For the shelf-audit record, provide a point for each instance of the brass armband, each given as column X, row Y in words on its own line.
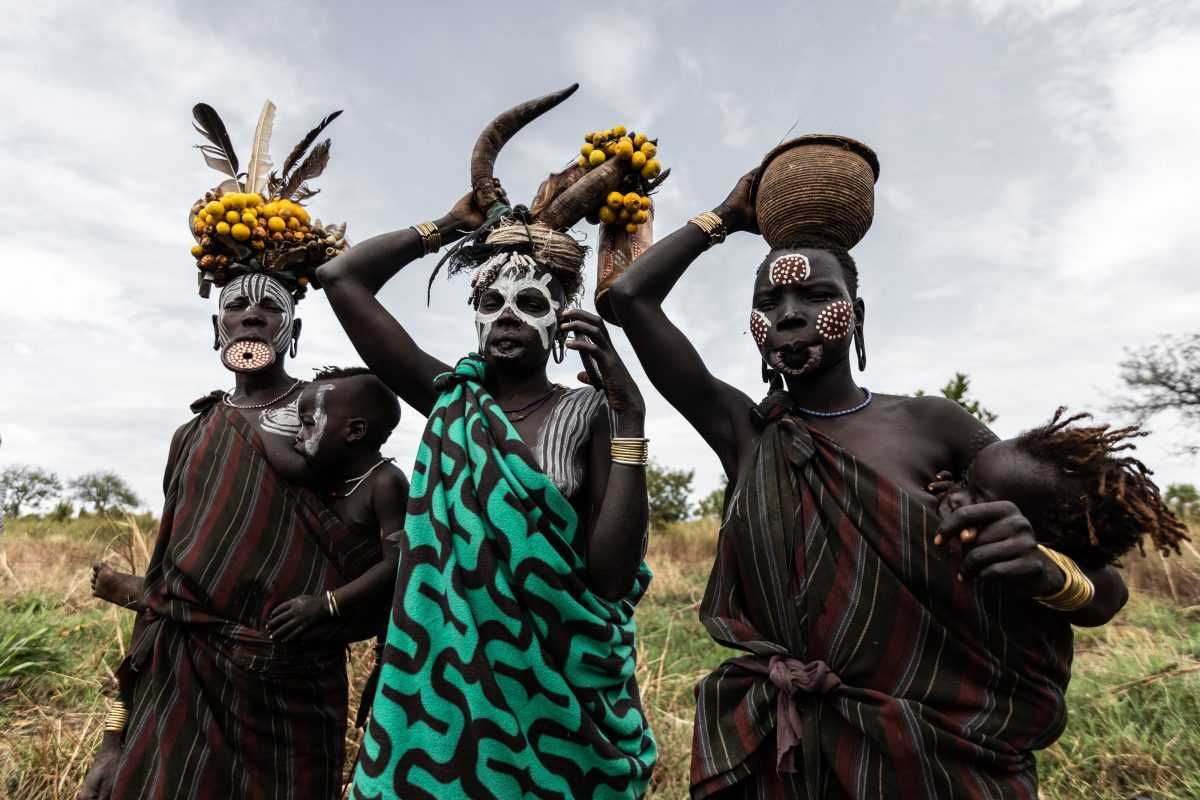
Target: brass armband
column 116, row 718
column 431, row 237
column 1077, row 591
column 630, row 451
column 712, row 225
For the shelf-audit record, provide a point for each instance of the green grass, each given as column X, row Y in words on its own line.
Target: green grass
column 1134, row 699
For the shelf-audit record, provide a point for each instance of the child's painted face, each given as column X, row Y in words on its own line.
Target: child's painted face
column 1001, row 471
column 320, row 438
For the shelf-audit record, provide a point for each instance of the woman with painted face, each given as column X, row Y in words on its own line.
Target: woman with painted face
column 871, row 668
column 509, row 665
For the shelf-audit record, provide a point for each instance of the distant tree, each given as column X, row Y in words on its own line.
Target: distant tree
column 713, row 503
column 62, row 511
column 668, row 490
column 956, row 389
column 1184, row 500
column 22, row 485
column 1164, row 376
column 104, row 491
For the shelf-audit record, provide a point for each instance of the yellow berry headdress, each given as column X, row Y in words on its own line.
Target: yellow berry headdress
column 255, row 221
column 608, row 184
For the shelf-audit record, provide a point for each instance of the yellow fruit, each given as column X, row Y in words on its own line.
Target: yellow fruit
column 639, row 140
column 608, row 216
column 285, row 209
column 640, row 216
column 293, row 223
column 586, row 149
column 298, row 236
column 223, row 228
column 215, row 209
column 596, row 158
column 598, row 137
column 232, row 216
column 623, row 215
column 198, row 225
column 630, row 227
column 644, row 202
column 615, row 200
column 301, row 212
column 249, row 217
column 624, row 148
column 235, row 200
column 276, row 224
column 240, row 232
column 619, row 130
column 197, row 250
column 270, row 210
column 610, row 149
column 253, row 200
column 638, row 159
column 257, row 244
column 651, row 170
column 649, row 149
column 583, row 162
column 608, row 134
column 587, row 137
column 632, row 201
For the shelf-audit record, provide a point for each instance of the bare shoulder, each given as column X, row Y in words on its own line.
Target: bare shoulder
column 964, row 433
column 390, row 481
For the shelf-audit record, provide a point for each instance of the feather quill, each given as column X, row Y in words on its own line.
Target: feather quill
column 310, row 168
column 300, row 149
column 220, row 154
column 260, row 155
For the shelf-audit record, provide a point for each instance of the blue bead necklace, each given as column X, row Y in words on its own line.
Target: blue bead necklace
column 843, row 412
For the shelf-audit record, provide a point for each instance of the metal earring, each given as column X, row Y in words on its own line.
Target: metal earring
column 216, row 334
column 559, row 349
column 772, row 378
column 294, row 347
column 860, row 348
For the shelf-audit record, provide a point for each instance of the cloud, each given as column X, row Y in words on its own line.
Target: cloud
column 736, row 126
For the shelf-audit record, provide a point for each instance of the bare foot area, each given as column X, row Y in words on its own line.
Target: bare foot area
column 119, row 588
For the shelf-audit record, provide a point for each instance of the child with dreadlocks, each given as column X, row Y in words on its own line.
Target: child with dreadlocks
column 1088, row 502
column 346, row 415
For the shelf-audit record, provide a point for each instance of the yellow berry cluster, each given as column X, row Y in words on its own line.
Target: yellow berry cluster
column 631, row 208
column 636, row 148
column 247, row 219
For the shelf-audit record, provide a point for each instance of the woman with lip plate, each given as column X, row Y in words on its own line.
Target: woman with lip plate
column 509, row 664
column 871, row 668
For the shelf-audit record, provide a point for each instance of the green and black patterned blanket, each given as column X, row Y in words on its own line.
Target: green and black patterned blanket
column 504, row 676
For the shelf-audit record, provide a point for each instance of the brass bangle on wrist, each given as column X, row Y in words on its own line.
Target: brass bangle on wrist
column 116, row 718
column 431, row 237
column 1077, row 590
column 632, row 451
column 712, row 225
column 331, row 602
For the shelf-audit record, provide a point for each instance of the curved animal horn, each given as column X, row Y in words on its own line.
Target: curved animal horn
column 584, row 195
column 497, row 134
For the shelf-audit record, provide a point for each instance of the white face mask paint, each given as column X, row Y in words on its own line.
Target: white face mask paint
column 313, row 443
column 517, row 274
column 254, row 288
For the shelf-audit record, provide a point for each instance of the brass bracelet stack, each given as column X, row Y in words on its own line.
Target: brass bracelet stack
column 712, row 225
column 331, row 601
column 431, row 237
column 117, row 717
column 1076, row 592
column 632, row 451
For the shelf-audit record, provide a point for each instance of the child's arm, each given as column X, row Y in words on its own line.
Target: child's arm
column 363, row 603
column 118, row 588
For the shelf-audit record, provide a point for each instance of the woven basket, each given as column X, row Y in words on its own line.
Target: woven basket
column 819, row 186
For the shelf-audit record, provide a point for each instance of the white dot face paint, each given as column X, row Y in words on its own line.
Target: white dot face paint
column 835, row 321
column 312, row 444
column 759, row 326
column 254, row 288
column 792, row 268
column 516, row 274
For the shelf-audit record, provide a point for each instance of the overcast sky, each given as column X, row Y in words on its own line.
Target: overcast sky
column 1036, row 211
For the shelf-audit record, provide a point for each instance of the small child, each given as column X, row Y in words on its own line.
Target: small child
column 1082, row 496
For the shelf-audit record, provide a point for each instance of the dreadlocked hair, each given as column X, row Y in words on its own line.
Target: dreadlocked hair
column 849, row 268
column 511, row 229
column 1119, row 504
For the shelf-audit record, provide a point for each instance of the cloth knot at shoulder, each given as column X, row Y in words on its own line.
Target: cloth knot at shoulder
column 470, row 368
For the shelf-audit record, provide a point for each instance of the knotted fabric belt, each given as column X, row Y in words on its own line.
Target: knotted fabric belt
column 792, row 677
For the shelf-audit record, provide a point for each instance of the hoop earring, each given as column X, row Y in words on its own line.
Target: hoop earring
column 860, row 348
column 558, row 349
column 772, row 378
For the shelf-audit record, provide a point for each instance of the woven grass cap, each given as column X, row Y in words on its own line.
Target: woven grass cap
column 817, row 186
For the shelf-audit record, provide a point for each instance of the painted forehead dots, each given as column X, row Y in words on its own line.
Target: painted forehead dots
column 792, row 268
column 759, row 325
column 834, row 321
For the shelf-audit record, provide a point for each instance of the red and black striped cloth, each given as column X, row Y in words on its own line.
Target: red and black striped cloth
column 873, row 672
column 217, row 709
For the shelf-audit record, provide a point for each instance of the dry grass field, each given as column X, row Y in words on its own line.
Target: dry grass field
column 1134, row 700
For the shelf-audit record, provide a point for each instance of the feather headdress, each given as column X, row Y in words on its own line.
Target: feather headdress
column 255, row 220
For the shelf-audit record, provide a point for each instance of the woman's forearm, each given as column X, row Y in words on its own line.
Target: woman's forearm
column 659, row 268
column 373, row 262
column 619, row 530
column 1110, row 597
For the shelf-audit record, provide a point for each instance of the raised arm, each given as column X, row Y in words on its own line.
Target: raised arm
column 352, row 281
column 714, row 408
column 620, row 509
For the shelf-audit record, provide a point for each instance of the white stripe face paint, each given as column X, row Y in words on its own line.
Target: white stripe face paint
column 254, row 288
column 516, row 276
column 313, row 443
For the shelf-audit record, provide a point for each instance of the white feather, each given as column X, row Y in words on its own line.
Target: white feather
column 260, row 155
